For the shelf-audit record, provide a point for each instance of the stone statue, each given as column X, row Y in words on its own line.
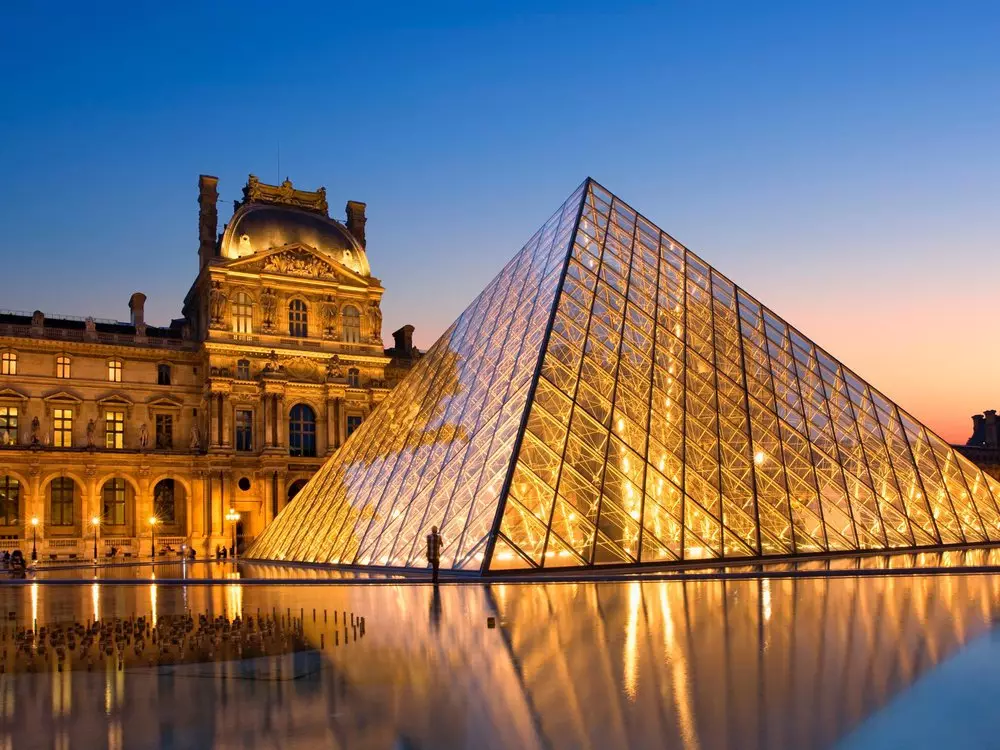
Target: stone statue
column 216, row 303
column 333, row 368
column 143, row 436
column 268, row 303
column 195, row 437
column 375, row 319
column 6, row 437
column 329, row 318
column 91, row 434
column 35, row 428
column 272, row 362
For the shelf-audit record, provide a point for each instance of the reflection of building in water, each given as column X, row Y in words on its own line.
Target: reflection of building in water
column 778, row 663
column 622, row 404
column 278, row 357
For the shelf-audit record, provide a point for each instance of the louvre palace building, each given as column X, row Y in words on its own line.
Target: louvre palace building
column 129, row 432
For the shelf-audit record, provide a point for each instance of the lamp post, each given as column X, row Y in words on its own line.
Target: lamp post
column 96, row 523
column 153, row 520
column 233, row 517
column 34, row 539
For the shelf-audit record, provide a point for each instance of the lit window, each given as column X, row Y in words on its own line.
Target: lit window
column 353, row 378
column 62, row 428
column 8, row 363
column 302, row 431
column 243, row 369
column 242, row 313
column 298, row 319
column 10, row 501
column 352, row 325
column 63, row 366
column 353, row 423
column 114, row 429
column 244, row 430
column 62, row 493
column 8, row 425
column 164, row 431
column 163, row 374
column 115, row 371
column 164, row 507
column 113, row 512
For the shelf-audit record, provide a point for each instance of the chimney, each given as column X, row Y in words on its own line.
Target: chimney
column 208, row 217
column 404, row 340
column 977, row 430
column 356, row 220
column 137, row 306
column 991, row 438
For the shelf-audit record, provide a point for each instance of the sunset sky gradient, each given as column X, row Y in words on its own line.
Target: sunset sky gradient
column 838, row 160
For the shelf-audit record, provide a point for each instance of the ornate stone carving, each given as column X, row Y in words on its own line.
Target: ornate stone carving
column 217, row 306
column 35, row 428
column 91, row 434
column 375, row 321
column 302, row 368
column 333, row 368
column 330, row 318
column 297, row 263
column 268, row 304
column 195, row 437
column 143, row 437
column 285, row 194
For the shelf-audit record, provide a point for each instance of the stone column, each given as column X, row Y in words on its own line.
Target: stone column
column 332, row 443
column 226, row 405
column 266, row 419
column 196, row 505
column 280, row 422
column 213, row 432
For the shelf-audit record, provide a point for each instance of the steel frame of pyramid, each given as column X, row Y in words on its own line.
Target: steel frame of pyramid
column 612, row 400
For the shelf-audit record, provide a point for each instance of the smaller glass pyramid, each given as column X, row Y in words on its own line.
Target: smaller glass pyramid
column 611, row 399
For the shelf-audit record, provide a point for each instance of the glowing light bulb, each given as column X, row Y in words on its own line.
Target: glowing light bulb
column 759, row 457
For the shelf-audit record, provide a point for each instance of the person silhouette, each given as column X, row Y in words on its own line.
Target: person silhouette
column 434, row 546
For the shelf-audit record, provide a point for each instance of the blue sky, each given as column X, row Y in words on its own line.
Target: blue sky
column 838, row 160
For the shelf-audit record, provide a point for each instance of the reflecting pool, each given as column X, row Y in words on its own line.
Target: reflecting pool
column 772, row 663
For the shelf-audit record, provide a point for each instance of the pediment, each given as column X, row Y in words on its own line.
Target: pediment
column 12, row 394
column 62, row 396
column 116, row 399
column 164, row 402
column 297, row 260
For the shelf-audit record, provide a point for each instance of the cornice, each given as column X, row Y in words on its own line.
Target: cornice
column 95, row 348
column 243, row 350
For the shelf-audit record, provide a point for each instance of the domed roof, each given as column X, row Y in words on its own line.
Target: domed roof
column 259, row 227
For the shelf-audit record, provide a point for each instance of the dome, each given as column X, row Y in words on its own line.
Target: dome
column 260, row 227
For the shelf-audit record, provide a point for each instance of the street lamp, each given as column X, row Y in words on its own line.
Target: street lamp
column 34, row 538
column 96, row 523
column 233, row 516
column 153, row 520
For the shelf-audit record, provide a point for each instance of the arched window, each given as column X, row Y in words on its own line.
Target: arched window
column 62, row 497
column 298, row 319
column 113, row 509
column 10, row 501
column 163, row 501
column 295, row 487
column 354, row 377
column 302, row 431
column 352, row 324
column 63, row 366
column 243, row 369
column 242, row 313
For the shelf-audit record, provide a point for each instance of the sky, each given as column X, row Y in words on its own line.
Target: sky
column 838, row 160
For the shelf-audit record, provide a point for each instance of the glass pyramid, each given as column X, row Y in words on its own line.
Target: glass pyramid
column 611, row 399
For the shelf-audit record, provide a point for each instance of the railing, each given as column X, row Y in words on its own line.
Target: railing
column 60, row 316
column 63, row 543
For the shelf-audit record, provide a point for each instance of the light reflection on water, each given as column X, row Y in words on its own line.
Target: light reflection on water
column 783, row 663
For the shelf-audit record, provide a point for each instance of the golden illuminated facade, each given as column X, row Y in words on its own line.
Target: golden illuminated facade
column 277, row 359
column 610, row 399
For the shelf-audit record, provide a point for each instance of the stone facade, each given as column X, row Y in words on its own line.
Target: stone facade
column 983, row 448
column 277, row 359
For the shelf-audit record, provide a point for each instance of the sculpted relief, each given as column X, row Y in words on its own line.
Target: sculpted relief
column 297, row 263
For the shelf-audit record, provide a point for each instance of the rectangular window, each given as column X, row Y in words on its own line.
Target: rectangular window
column 113, row 512
column 163, row 374
column 63, row 366
column 10, row 501
column 164, row 431
column 353, row 423
column 114, row 429
column 8, row 425
column 62, row 428
column 115, row 371
column 61, row 493
column 244, row 430
column 8, row 363
column 243, row 369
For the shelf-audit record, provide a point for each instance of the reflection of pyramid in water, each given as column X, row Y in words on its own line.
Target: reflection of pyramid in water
column 612, row 399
